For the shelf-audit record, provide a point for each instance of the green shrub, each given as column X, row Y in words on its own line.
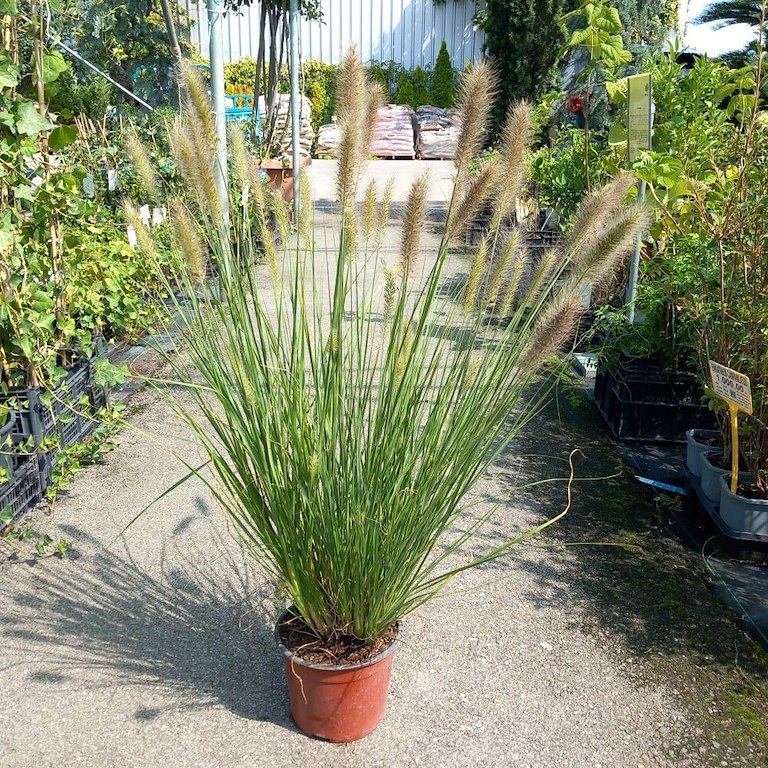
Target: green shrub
column 387, row 74
column 319, row 85
column 421, row 93
column 404, row 93
column 443, row 89
column 240, row 76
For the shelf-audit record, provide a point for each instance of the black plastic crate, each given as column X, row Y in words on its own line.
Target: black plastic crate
column 68, row 411
column 99, row 396
column 543, row 239
column 26, row 417
column 642, row 403
column 69, row 414
column 22, row 493
column 654, row 388
column 604, row 381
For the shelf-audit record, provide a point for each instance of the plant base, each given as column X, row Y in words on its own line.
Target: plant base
column 336, row 703
column 710, row 477
column 738, row 544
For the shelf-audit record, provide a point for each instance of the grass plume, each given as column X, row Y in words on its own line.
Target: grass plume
column 192, row 247
column 143, row 166
column 479, row 190
column 476, row 94
column 354, row 119
column 516, row 140
column 413, row 224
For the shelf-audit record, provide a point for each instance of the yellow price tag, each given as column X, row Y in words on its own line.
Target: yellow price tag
column 736, row 390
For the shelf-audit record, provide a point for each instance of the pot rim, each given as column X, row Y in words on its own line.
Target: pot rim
column 330, row 667
column 716, row 451
column 724, row 482
column 696, row 432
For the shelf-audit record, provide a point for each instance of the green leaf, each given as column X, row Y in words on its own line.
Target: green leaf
column 24, row 192
column 107, row 374
column 8, row 8
column 29, row 121
column 617, row 134
column 62, row 136
column 53, row 65
column 9, row 72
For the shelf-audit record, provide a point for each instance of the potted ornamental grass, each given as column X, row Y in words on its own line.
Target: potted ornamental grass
column 343, row 424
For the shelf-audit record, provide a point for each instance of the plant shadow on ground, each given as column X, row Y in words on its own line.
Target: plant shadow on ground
column 204, row 635
column 643, row 596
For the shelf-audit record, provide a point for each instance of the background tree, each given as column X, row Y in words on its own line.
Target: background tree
column 443, row 84
column 271, row 56
column 646, row 23
column 525, row 39
column 119, row 36
column 724, row 13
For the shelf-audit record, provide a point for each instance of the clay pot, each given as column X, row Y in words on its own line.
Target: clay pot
column 281, row 176
column 336, row 703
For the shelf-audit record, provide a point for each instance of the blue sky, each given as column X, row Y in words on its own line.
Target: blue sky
column 703, row 39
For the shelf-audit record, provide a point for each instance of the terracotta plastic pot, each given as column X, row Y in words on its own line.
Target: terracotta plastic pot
column 281, row 176
column 337, row 703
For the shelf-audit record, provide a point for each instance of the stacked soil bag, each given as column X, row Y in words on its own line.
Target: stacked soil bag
column 394, row 134
column 438, row 132
column 328, row 138
column 283, row 124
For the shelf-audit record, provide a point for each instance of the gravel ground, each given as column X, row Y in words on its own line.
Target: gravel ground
column 155, row 647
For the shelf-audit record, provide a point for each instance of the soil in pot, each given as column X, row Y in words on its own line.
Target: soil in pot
column 751, row 491
column 338, row 688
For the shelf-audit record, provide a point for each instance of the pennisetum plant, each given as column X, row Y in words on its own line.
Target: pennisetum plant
column 343, row 425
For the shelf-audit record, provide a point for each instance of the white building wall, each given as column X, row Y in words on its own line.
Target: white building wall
column 409, row 32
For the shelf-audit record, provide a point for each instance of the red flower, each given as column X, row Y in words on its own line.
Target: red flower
column 575, row 104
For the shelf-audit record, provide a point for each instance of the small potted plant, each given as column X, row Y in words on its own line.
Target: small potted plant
column 343, row 424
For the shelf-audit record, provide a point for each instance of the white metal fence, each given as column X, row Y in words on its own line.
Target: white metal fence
column 409, row 32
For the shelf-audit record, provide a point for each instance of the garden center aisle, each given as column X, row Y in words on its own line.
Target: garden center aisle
column 155, row 648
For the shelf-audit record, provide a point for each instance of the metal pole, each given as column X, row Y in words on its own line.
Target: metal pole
column 634, row 264
column 216, row 56
column 295, row 116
